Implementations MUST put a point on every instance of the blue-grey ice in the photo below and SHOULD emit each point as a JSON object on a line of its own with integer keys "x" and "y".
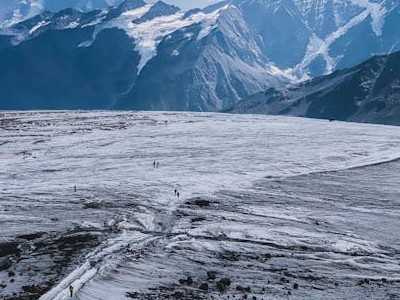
{"x": 286, "y": 208}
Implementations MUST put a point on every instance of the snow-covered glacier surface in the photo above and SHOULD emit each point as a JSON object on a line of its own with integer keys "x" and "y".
{"x": 268, "y": 207}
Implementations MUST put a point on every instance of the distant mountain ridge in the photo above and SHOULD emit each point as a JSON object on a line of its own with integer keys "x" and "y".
{"x": 368, "y": 92}
{"x": 134, "y": 56}
{"x": 315, "y": 37}
{"x": 15, "y": 11}
{"x": 156, "y": 57}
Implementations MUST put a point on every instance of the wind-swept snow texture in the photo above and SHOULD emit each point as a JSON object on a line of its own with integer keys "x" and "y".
{"x": 282, "y": 207}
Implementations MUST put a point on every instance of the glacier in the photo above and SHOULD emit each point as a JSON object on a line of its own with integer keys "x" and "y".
{"x": 284, "y": 207}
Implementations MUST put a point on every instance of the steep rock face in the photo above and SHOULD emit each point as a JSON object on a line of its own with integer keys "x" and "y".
{"x": 209, "y": 65}
{"x": 158, "y": 10}
{"x": 369, "y": 92}
{"x": 64, "y": 75}
{"x": 125, "y": 6}
{"x": 159, "y": 58}
{"x": 283, "y": 35}
{"x": 315, "y": 37}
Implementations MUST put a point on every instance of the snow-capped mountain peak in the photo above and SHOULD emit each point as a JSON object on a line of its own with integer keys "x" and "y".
{"x": 148, "y": 25}
{"x": 15, "y": 11}
{"x": 202, "y": 59}
{"x": 128, "y": 5}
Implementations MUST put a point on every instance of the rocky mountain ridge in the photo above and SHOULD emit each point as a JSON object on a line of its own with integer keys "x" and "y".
{"x": 368, "y": 92}
{"x": 154, "y": 56}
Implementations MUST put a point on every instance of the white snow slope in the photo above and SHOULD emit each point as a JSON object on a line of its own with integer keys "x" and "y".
{"x": 292, "y": 208}
{"x": 149, "y": 34}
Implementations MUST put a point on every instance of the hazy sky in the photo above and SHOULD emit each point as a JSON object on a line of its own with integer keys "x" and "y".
{"x": 186, "y": 4}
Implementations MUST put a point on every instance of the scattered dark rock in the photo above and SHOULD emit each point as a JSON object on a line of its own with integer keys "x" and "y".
{"x": 223, "y": 284}
{"x": 229, "y": 255}
{"x": 243, "y": 289}
{"x": 161, "y": 294}
{"x": 221, "y": 287}
{"x": 295, "y": 285}
{"x": 198, "y": 219}
{"x": 32, "y": 236}
{"x": 267, "y": 255}
{"x": 58, "y": 251}
{"x": 384, "y": 280}
{"x": 254, "y": 298}
{"x": 33, "y": 289}
{"x": 92, "y": 204}
{"x": 5, "y": 263}
{"x": 133, "y": 295}
{"x": 336, "y": 284}
{"x": 226, "y": 281}
{"x": 244, "y": 296}
{"x": 211, "y": 275}
{"x": 360, "y": 282}
{"x": 312, "y": 278}
{"x": 179, "y": 295}
{"x": 204, "y": 286}
{"x": 305, "y": 248}
{"x": 200, "y": 202}
{"x": 287, "y": 274}
{"x": 8, "y": 248}
{"x": 188, "y": 280}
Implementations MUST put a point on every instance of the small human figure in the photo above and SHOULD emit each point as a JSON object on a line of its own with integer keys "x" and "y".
{"x": 71, "y": 290}
{"x": 75, "y": 188}
{"x": 177, "y": 194}
{"x": 175, "y": 191}
{"x": 154, "y": 164}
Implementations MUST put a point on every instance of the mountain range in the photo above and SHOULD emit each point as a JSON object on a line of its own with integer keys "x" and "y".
{"x": 368, "y": 92}
{"x": 155, "y": 57}
{"x": 14, "y": 11}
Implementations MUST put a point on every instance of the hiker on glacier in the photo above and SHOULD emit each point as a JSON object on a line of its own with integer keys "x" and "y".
{"x": 71, "y": 290}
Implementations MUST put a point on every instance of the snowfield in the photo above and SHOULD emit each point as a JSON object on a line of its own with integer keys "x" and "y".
{"x": 268, "y": 207}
